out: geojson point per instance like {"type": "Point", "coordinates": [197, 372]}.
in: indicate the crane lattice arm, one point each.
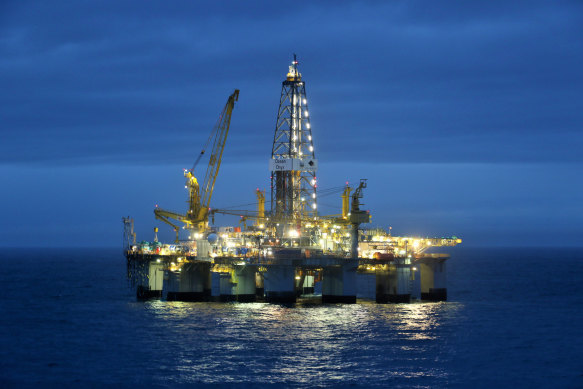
{"type": "Point", "coordinates": [165, 215]}
{"type": "Point", "coordinates": [358, 216]}
{"type": "Point", "coordinates": [212, 171]}
{"type": "Point", "coordinates": [200, 197]}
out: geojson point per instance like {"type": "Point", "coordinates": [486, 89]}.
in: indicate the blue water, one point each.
{"type": "Point", "coordinates": [514, 318]}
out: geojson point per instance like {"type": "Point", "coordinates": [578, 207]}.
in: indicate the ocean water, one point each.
{"type": "Point", "coordinates": [514, 319]}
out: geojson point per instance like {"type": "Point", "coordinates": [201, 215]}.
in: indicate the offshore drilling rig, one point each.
{"type": "Point", "coordinates": [289, 250]}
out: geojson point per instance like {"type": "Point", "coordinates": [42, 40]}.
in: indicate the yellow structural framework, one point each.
{"type": "Point", "coordinates": [199, 198]}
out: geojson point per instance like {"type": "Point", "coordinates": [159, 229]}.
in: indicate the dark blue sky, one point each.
{"type": "Point", "coordinates": [466, 117]}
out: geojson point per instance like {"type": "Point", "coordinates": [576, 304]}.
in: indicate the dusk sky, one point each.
{"type": "Point", "coordinates": [465, 117]}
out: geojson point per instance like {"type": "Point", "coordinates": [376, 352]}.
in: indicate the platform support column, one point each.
{"type": "Point", "coordinates": [151, 280]}
{"type": "Point", "coordinates": [416, 282]}
{"type": "Point", "coordinates": [194, 283]}
{"type": "Point", "coordinates": [365, 286]}
{"type": "Point", "coordinates": [433, 280]}
{"type": "Point", "coordinates": [244, 280]}
{"type": "Point", "coordinates": [339, 284]}
{"type": "Point", "coordinates": [227, 287]}
{"type": "Point", "coordinates": [393, 284]}
{"type": "Point", "coordinates": [259, 285]}
{"type": "Point", "coordinates": [279, 283]}
{"type": "Point", "coordinates": [308, 285]}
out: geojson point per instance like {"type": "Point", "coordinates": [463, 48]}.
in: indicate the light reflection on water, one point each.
{"type": "Point", "coordinates": [364, 343]}
{"type": "Point", "coordinates": [68, 318]}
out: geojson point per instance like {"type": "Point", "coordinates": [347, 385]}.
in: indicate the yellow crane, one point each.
{"type": "Point", "coordinates": [260, 208]}
{"type": "Point", "coordinates": [199, 197]}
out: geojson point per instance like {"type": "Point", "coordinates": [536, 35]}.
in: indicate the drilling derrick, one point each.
{"type": "Point", "coordinates": [293, 162]}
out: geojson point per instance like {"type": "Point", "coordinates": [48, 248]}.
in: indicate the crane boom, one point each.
{"type": "Point", "coordinates": [200, 197]}
{"type": "Point", "coordinates": [165, 216]}
{"type": "Point", "coordinates": [222, 128]}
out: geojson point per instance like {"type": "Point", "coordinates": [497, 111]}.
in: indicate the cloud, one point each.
{"type": "Point", "coordinates": [114, 82]}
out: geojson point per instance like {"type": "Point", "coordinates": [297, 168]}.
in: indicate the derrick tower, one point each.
{"type": "Point", "coordinates": [293, 161]}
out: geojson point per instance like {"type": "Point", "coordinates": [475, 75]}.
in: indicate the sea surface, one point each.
{"type": "Point", "coordinates": [514, 319]}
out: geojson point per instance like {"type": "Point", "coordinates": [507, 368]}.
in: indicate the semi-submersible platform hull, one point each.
{"type": "Point", "coordinates": [283, 275]}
